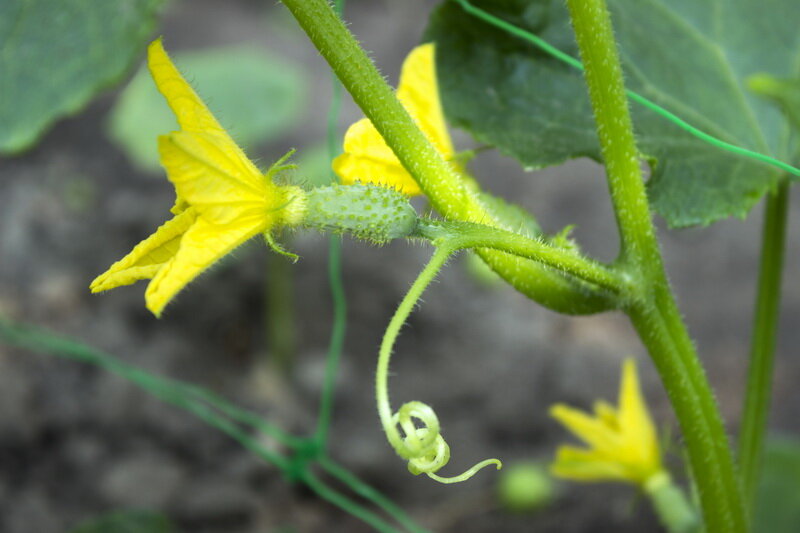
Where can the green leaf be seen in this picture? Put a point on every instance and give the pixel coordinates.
(258, 96)
(690, 56)
(55, 57)
(783, 93)
(778, 502)
(127, 522)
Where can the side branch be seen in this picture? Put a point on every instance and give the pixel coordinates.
(467, 235)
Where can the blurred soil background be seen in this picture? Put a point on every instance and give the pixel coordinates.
(76, 442)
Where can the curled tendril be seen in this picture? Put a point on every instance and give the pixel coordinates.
(421, 441)
(424, 447)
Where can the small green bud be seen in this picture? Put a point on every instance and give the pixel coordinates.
(525, 487)
(368, 212)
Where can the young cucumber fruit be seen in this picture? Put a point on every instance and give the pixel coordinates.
(376, 214)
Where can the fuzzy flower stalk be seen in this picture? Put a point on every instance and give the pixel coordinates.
(222, 198)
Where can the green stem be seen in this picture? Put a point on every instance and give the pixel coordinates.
(762, 349)
(369, 493)
(336, 342)
(603, 73)
(280, 323)
(655, 316)
(662, 332)
(346, 504)
(335, 282)
(467, 235)
(670, 504)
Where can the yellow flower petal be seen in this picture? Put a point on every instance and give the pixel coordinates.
(591, 430)
(634, 418)
(368, 159)
(190, 111)
(222, 198)
(622, 441)
(208, 179)
(632, 410)
(586, 465)
(148, 256)
(607, 414)
(418, 90)
(201, 246)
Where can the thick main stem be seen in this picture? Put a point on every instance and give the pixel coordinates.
(762, 349)
(660, 327)
(655, 316)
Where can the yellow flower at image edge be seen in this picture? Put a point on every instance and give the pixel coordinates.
(368, 159)
(222, 198)
(622, 441)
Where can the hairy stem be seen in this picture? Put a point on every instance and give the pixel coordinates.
(655, 316)
(762, 349)
(467, 235)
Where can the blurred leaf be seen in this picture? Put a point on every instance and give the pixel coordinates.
(257, 96)
(313, 167)
(783, 93)
(57, 55)
(690, 56)
(778, 501)
(127, 522)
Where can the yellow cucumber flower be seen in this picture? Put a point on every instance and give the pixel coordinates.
(368, 159)
(622, 442)
(222, 198)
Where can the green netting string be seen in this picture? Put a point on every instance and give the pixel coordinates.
(335, 281)
(225, 417)
(636, 97)
(204, 404)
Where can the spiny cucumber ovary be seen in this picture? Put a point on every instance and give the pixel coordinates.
(367, 212)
